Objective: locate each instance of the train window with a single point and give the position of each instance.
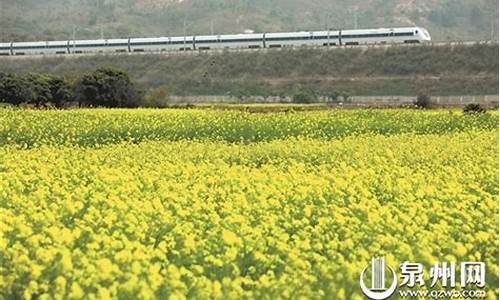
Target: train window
(325, 37)
(368, 35)
(403, 34)
(240, 40)
(29, 47)
(206, 41)
(146, 43)
(287, 38)
(90, 45)
(182, 42)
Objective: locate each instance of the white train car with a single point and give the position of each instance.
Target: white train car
(5, 49)
(98, 46)
(87, 46)
(162, 44)
(29, 48)
(182, 43)
(423, 35)
(384, 36)
(207, 42)
(285, 39)
(57, 47)
(251, 40)
(118, 45)
(325, 38)
(149, 44)
(45, 48)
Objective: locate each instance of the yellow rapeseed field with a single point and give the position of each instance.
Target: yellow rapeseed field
(176, 204)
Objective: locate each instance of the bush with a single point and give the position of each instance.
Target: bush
(60, 90)
(157, 98)
(34, 89)
(107, 87)
(334, 96)
(474, 108)
(15, 89)
(423, 101)
(346, 96)
(104, 87)
(40, 89)
(304, 95)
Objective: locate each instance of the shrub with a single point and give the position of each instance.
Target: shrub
(423, 101)
(304, 95)
(346, 96)
(15, 89)
(104, 87)
(107, 87)
(40, 88)
(60, 90)
(34, 89)
(158, 97)
(474, 108)
(334, 96)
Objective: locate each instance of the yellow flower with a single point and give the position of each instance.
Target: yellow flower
(76, 291)
(103, 294)
(233, 205)
(230, 238)
(189, 241)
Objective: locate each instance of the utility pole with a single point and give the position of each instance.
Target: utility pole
(2, 18)
(184, 33)
(328, 27)
(74, 37)
(353, 10)
(492, 29)
(355, 17)
(212, 26)
(494, 18)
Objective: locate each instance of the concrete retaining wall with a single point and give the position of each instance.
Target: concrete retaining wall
(485, 100)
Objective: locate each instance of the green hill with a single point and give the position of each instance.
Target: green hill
(56, 19)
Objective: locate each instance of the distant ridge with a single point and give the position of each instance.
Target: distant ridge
(89, 19)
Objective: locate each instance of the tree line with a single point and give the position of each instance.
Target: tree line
(104, 87)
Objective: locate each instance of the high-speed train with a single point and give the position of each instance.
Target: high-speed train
(207, 42)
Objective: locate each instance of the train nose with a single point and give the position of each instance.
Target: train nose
(426, 35)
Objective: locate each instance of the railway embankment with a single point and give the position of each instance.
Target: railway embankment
(442, 70)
